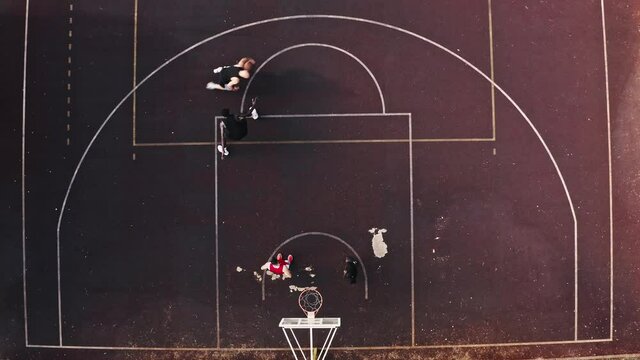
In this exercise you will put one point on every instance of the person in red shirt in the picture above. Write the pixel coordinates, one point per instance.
(279, 267)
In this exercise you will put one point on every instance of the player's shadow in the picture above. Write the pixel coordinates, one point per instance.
(292, 81)
(295, 91)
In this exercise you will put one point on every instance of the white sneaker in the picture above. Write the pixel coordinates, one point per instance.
(217, 70)
(254, 114)
(223, 151)
(210, 86)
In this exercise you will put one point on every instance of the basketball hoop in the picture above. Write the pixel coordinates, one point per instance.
(310, 302)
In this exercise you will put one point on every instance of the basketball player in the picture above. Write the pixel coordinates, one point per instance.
(279, 267)
(230, 78)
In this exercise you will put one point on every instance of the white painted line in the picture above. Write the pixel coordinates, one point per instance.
(493, 89)
(24, 116)
(333, 115)
(135, 67)
(345, 348)
(59, 290)
(158, 144)
(333, 17)
(246, 89)
(215, 162)
(281, 142)
(606, 77)
(364, 270)
(413, 282)
(291, 142)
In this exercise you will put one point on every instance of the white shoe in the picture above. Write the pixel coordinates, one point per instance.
(217, 70)
(254, 114)
(210, 86)
(223, 151)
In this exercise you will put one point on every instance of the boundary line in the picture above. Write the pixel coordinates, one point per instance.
(215, 162)
(345, 348)
(316, 142)
(135, 65)
(493, 88)
(413, 271)
(24, 116)
(335, 115)
(606, 77)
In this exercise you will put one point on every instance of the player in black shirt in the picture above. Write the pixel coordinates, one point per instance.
(229, 78)
(235, 127)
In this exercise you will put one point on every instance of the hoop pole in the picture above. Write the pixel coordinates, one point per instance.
(324, 346)
(299, 347)
(311, 344)
(289, 342)
(335, 329)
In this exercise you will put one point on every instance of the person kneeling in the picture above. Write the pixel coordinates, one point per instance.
(279, 267)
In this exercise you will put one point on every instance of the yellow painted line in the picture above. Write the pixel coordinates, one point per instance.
(456, 140)
(346, 348)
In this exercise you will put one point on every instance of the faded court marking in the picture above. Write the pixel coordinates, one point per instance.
(377, 242)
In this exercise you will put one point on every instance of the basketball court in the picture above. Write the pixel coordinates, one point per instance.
(474, 144)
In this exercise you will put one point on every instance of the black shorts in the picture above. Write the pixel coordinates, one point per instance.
(234, 129)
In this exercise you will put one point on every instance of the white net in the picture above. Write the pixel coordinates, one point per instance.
(310, 302)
